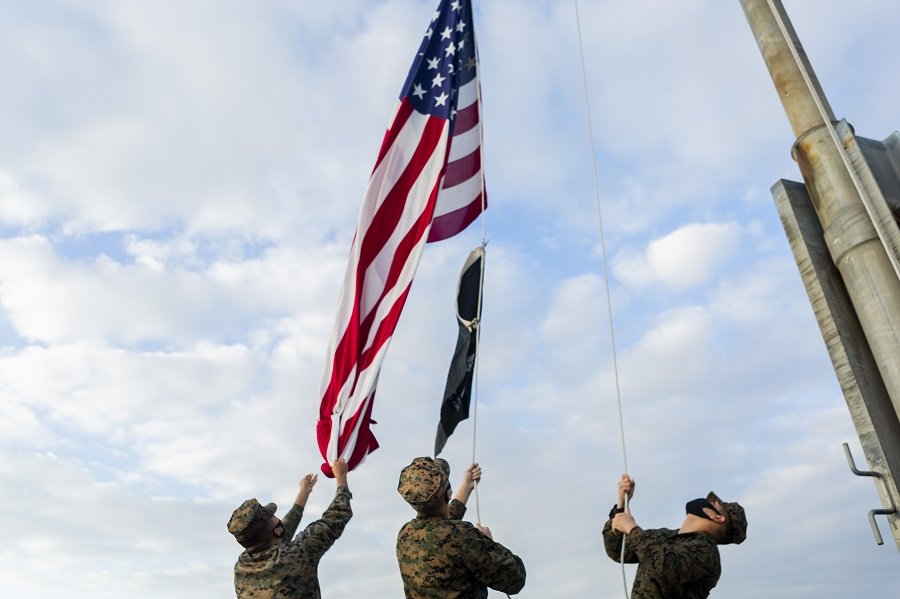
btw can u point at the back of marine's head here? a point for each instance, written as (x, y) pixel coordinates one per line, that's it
(423, 483)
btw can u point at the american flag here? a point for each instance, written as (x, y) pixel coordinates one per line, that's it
(427, 185)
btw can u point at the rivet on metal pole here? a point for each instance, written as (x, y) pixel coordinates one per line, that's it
(880, 478)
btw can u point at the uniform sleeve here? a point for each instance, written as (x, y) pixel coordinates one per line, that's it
(491, 563)
(457, 509)
(674, 565)
(291, 520)
(319, 536)
(612, 542)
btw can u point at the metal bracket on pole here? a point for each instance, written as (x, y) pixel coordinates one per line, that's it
(880, 478)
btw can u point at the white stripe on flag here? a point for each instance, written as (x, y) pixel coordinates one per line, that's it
(468, 94)
(458, 196)
(465, 143)
(377, 272)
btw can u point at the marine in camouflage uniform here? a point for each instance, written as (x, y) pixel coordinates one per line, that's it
(441, 556)
(675, 564)
(274, 566)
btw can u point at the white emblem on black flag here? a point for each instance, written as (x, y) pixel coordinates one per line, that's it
(458, 392)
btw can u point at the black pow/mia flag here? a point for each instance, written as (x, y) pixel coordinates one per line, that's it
(458, 392)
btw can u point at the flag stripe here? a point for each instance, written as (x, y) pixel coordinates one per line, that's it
(417, 161)
(382, 226)
(349, 348)
(449, 224)
(419, 178)
(389, 213)
(463, 169)
(390, 264)
(463, 144)
(401, 273)
(466, 119)
(458, 196)
(468, 94)
(358, 436)
(403, 133)
(402, 112)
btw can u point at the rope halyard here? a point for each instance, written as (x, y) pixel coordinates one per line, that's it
(857, 184)
(484, 242)
(590, 129)
(477, 325)
(483, 261)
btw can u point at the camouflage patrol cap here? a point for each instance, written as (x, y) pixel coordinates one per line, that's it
(737, 519)
(249, 520)
(445, 466)
(423, 480)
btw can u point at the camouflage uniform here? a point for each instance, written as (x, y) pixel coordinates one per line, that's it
(674, 565)
(288, 569)
(447, 558)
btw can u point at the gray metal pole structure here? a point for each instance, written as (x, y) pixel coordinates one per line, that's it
(846, 243)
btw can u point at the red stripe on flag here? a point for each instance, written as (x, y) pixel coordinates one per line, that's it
(374, 239)
(463, 169)
(390, 136)
(448, 225)
(466, 119)
(365, 440)
(403, 249)
(388, 215)
(324, 427)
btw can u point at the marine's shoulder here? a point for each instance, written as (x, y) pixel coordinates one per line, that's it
(661, 533)
(256, 560)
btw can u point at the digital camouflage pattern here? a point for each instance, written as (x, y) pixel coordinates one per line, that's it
(737, 519)
(249, 520)
(422, 481)
(289, 569)
(444, 558)
(671, 565)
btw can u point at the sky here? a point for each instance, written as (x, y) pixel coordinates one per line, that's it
(179, 187)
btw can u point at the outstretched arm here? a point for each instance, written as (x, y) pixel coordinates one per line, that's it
(321, 534)
(340, 468)
(470, 478)
(306, 486)
(292, 519)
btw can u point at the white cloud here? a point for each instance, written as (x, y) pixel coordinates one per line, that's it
(118, 538)
(686, 257)
(51, 299)
(19, 206)
(576, 324)
(178, 188)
